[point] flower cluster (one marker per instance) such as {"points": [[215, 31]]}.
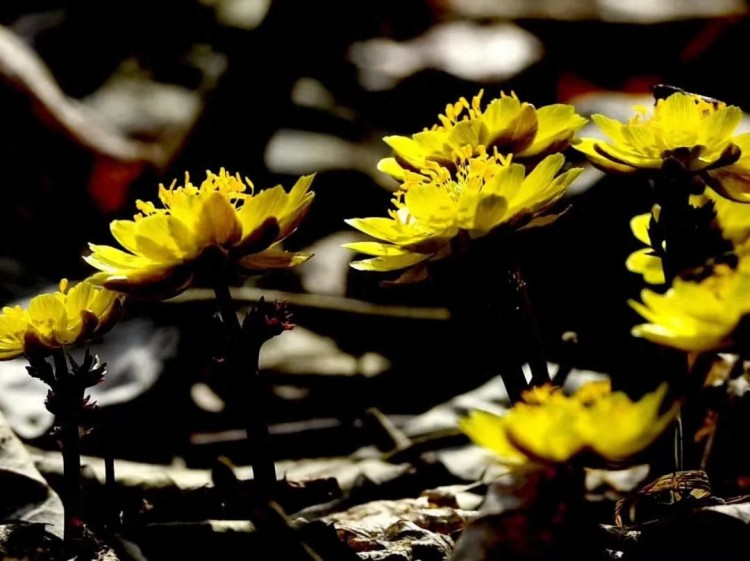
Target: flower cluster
{"points": [[549, 427], [223, 222], [697, 236], [461, 180]]}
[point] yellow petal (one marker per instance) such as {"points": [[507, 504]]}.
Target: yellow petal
{"points": [[557, 124], [589, 147], [488, 431], [153, 237], [110, 259], [543, 173], [389, 263], [218, 223], [546, 433], [639, 225], [732, 182], [269, 203], [643, 262], [375, 248], [391, 167], [618, 428], [298, 203], [482, 213], [274, 259]]}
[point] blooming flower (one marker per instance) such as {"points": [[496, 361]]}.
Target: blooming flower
{"points": [[550, 427], [52, 321], [163, 246], [505, 125], [696, 316], [486, 192], [696, 131]]}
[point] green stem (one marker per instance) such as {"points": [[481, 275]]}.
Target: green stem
{"points": [[242, 357], [69, 423]]}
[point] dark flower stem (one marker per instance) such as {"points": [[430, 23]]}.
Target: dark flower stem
{"points": [[672, 193], [527, 319], [112, 515], [242, 357], [679, 439], [673, 216], [681, 235], [686, 234], [69, 426], [515, 383]]}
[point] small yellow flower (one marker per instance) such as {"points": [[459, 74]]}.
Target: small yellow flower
{"points": [[506, 126], [164, 245], [696, 131], [696, 316], [558, 428], [52, 321], [486, 192]]}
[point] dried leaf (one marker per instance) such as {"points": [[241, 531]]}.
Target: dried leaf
{"points": [[26, 497]]}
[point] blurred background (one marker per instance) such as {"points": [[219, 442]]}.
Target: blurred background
{"points": [[102, 101]]}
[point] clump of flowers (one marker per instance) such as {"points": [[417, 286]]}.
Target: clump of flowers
{"points": [[696, 316], [505, 125], [548, 427], [53, 321], [695, 132], [222, 221], [438, 211], [462, 180]]}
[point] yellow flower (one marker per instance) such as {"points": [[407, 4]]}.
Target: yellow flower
{"points": [[486, 192], [219, 219], [52, 321], [696, 131], [644, 261], [506, 126], [696, 316], [559, 428]]}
